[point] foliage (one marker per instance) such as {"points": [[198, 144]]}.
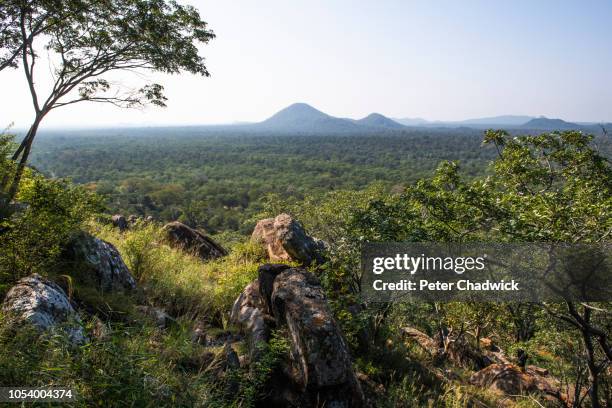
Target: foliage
{"points": [[181, 283], [134, 365], [216, 179], [85, 41], [547, 187], [50, 211]]}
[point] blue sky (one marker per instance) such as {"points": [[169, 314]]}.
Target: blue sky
{"points": [[440, 60]]}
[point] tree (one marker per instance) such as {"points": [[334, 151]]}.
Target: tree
{"points": [[552, 187], [87, 40], [44, 14]]}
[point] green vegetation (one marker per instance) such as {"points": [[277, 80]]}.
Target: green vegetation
{"points": [[548, 187], [86, 42], [216, 180]]}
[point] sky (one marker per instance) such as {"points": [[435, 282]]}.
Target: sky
{"points": [[438, 60]]}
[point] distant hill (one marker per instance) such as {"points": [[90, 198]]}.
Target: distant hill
{"points": [[504, 120], [412, 121], [301, 117], [378, 120], [550, 124]]}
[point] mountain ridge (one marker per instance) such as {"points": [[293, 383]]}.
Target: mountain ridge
{"points": [[303, 118]]}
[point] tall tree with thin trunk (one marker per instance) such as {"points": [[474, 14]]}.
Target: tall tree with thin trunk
{"points": [[86, 40]]}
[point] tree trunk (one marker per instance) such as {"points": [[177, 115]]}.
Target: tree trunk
{"points": [[591, 362], [24, 151]]}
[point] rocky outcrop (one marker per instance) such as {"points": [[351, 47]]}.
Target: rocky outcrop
{"points": [[423, 340], [320, 356], [509, 379], [102, 262], [120, 222], [286, 240], [179, 235], [318, 371], [456, 349], [45, 305], [248, 312]]}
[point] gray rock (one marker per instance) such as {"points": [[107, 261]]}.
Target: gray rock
{"points": [[318, 349], [179, 235], [103, 260], [120, 222], [286, 240], [43, 304], [266, 276], [248, 313], [318, 371], [231, 358]]}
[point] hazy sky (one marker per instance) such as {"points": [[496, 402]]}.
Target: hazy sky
{"points": [[445, 60]]}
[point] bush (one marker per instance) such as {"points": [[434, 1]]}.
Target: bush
{"points": [[49, 212]]}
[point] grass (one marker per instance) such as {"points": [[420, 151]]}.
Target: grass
{"points": [[134, 363], [181, 283]]}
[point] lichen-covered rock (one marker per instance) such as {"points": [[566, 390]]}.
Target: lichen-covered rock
{"points": [[103, 261], [423, 340], [318, 371], [286, 240], [320, 357], [248, 313], [179, 235], [509, 379], [45, 305]]}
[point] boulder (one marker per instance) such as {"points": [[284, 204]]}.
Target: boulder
{"points": [[120, 222], [286, 240], [509, 379], [102, 260], [45, 305], [179, 235], [320, 361], [248, 313], [455, 349], [231, 357], [318, 370], [423, 340], [266, 276]]}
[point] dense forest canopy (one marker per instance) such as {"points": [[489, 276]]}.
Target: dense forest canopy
{"points": [[216, 178]]}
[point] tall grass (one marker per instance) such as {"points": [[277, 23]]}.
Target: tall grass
{"points": [[179, 282]]}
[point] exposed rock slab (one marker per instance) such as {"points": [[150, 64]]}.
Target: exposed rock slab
{"points": [[320, 358], [318, 370], [248, 312], [509, 379], [103, 260], [423, 340], [179, 235], [45, 305], [286, 240]]}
